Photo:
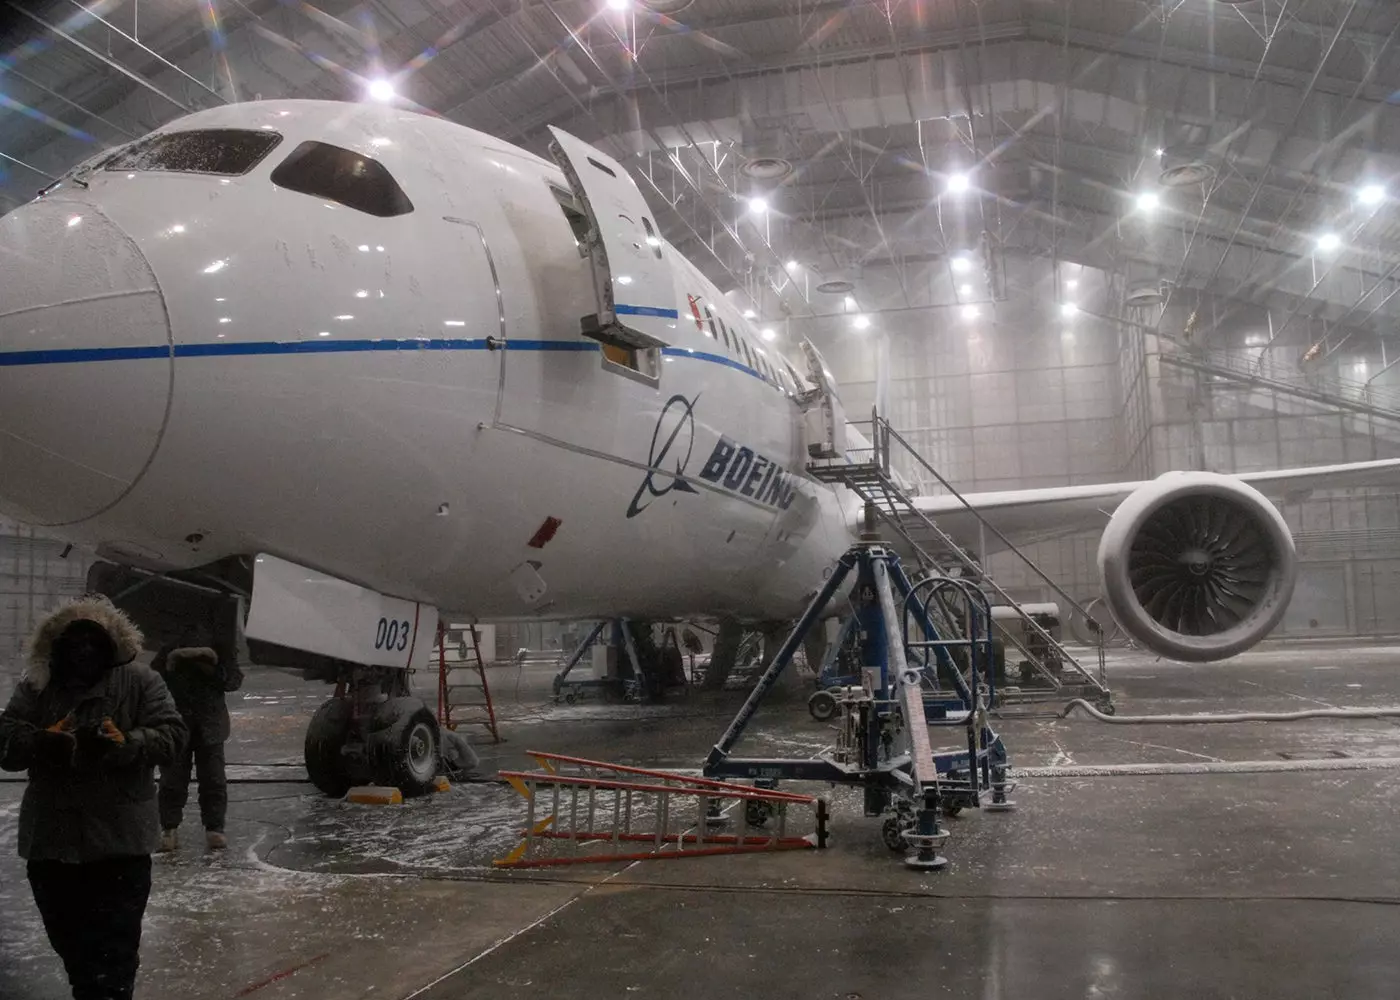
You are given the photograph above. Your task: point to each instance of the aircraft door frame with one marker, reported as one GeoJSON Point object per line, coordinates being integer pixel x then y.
{"type": "Point", "coordinates": [625, 250]}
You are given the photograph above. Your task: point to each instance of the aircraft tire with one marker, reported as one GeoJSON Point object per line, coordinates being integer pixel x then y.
{"type": "Point", "coordinates": [409, 753]}
{"type": "Point", "coordinates": [325, 735]}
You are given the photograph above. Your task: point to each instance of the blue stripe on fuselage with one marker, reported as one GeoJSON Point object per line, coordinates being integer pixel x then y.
{"type": "Point", "coordinates": [88, 355]}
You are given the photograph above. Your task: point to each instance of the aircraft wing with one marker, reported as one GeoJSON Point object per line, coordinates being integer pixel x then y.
{"type": "Point", "coordinates": [1027, 516]}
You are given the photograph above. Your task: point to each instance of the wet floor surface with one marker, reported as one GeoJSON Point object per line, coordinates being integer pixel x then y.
{"type": "Point", "coordinates": [1250, 860]}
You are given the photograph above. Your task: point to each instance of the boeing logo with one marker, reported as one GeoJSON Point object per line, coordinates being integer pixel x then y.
{"type": "Point", "coordinates": [731, 466]}
{"type": "Point", "coordinates": [675, 435]}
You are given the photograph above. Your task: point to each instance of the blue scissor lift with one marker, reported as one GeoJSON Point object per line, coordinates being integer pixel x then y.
{"type": "Point", "coordinates": [887, 711]}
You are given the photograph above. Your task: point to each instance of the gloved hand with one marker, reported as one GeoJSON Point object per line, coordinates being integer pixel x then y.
{"type": "Point", "coordinates": [54, 747]}
{"type": "Point", "coordinates": [100, 744]}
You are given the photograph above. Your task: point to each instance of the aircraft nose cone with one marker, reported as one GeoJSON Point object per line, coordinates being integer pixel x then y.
{"type": "Point", "coordinates": [86, 367]}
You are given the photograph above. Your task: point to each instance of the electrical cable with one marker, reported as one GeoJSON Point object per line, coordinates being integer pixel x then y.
{"type": "Point", "coordinates": [1189, 720]}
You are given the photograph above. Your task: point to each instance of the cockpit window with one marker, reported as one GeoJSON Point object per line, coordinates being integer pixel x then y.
{"type": "Point", "coordinates": [343, 176]}
{"type": "Point", "coordinates": [225, 151]}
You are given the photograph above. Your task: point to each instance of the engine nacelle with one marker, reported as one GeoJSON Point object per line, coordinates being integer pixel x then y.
{"type": "Point", "coordinates": [1197, 566]}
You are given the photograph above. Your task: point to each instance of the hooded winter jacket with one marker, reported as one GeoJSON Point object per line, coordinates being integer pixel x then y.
{"type": "Point", "coordinates": [90, 810]}
{"type": "Point", "coordinates": [198, 680]}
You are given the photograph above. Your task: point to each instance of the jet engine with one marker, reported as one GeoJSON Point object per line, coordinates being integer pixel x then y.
{"type": "Point", "coordinates": [1197, 566]}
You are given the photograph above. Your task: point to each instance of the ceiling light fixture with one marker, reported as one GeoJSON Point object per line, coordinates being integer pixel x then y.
{"type": "Point", "coordinates": [964, 289]}
{"type": "Point", "coordinates": [1148, 201]}
{"type": "Point", "coordinates": [861, 322]}
{"type": "Point", "coordinates": [1328, 242]}
{"type": "Point", "coordinates": [769, 333]}
{"type": "Point", "coordinates": [970, 312]}
{"type": "Point", "coordinates": [750, 314]}
{"type": "Point", "coordinates": [381, 89]}
{"type": "Point", "coordinates": [961, 264]}
{"type": "Point", "coordinates": [1068, 310]}
{"type": "Point", "coordinates": [619, 4]}
{"type": "Point", "coordinates": [758, 205]}
{"type": "Point", "coordinates": [791, 266]}
{"type": "Point", "coordinates": [1072, 284]}
{"type": "Point", "coordinates": [1371, 194]}
{"type": "Point", "coordinates": [958, 183]}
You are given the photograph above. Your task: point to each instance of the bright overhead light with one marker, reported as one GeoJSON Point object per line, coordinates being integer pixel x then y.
{"type": "Point", "coordinates": [225, 319]}
{"type": "Point", "coordinates": [216, 267]}
{"type": "Point", "coordinates": [363, 248]}
{"type": "Point", "coordinates": [177, 228]}
{"type": "Point", "coordinates": [362, 294]}
{"type": "Point", "coordinates": [758, 205]}
{"type": "Point", "coordinates": [1328, 242]}
{"type": "Point", "coordinates": [1068, 310]}
{"type": "Point", "coordinates": [1072, 284]}
{"type": "Point", "coordinates": [791, 265]}
{"type": "Point", "coordinates": [970, 312]}
{"type": "Point", "coordinates": [961, 264]}
{"type": "Point", "coordinates": [958, 183]}
{"type": "Point", "coordinates": [1371, 194]}
{"type": "Point", "coordinates": [769, 333]}
{"type": "Point", "coordinates": [454, 322]}
{"type": "Point", "coordinates": [964, 289]}
{"type": "Point", "coordinates": [1158, 152]}
{"type": "Point", "coordinates": [861, 322]}
{"type": "Point", "coordinates": [380, 90]}
{"type": "Point", "coordinates": [1148, 201]}
{"type": "Point", "coordinates": [849, 301]}
{"type": "Point", "coordinates": [344, 316]}
{"type": "Point", "coordinates": [619, 4]}
{"type": "Point", "coordinates": [750, 314]}
{"type": "Point", "coordinates": [324, 333]}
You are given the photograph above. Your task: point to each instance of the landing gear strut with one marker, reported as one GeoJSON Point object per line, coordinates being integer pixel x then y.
{"type": "Point", "coordinates": [373, 731]}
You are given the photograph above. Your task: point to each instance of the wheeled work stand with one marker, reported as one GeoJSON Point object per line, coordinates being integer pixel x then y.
{"type": "Point", "coordinates": [884, 722]}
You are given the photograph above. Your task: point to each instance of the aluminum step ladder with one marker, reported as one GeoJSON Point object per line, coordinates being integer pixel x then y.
{"type": "Point", "coordinates": [464, 695]}
{"type": "Point", "coordinates": [887, 501]}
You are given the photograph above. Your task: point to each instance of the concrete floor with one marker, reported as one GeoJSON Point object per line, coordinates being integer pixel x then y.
{"type": "Point", "coordinates": [1268, 872]}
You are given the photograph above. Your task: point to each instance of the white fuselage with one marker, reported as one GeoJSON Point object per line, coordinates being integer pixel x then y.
{"type": "Point", "coordinates": [195, 366]}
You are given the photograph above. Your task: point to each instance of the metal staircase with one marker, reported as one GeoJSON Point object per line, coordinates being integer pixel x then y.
{"type": "Point", "coordinates": [867, 473]}
{"type": "Point", "coordinates": [464, 696]}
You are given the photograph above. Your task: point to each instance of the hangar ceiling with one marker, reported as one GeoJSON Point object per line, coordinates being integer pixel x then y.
{"type": "Point", "coordinates": [1255, 127]}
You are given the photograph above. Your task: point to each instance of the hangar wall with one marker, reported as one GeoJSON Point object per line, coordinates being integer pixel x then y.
{"type": "Point", "coordinates": [1019, 398]}
{"type": "Point", "coordinates": [34, 576]}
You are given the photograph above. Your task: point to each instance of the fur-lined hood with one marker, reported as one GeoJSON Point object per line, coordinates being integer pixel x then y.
{"type": "Point", "coordinates": [93, 607]}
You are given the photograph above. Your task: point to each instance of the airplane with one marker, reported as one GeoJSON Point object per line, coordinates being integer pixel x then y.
{"type": "Point", "coordinates": [317, 374]}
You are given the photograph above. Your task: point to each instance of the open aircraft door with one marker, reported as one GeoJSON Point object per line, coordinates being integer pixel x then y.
{"type": "Point", "coordinates": [825, 418]}
{"type": "Point", "coordinates": [631, 277]}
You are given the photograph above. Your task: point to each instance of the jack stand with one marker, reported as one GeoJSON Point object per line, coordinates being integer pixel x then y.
{"type": "Point", "coordinates": [927, 836]}
{"type": "Point", "coordinates": [885, 717]}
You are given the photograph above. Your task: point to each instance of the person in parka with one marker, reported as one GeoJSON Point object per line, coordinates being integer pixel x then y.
{"type": "Point", "coordinates": [90, 725]}
{"type": "Point", "coordinates": [199, 679]}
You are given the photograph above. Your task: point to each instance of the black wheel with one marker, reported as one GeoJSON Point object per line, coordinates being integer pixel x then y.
{"type": "Point", "coordinates": [409, 754]}
{"type": "Point", "coordinates": [892, 833]}
{"type": "Point", "coordinates": [570, 698]}
{"type": "Point", "coordinates": [325, 735]}
{"type": "Point", "coordinates": [756, 813]}
{"type": "Point", "coordinates": [822, 705]}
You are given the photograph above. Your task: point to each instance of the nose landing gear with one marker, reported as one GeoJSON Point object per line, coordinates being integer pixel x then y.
{"type": "Point", "coordinates": [373, 731]}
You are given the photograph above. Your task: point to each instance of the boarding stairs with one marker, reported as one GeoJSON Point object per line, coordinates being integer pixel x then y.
{"type": "Point", "coordinates": [867, 473]}
{"type": "Point", "coordinates": [464, 695]}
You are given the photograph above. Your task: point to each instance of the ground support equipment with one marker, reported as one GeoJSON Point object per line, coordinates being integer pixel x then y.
{"type": "Point", "coordinates": [883, 743]}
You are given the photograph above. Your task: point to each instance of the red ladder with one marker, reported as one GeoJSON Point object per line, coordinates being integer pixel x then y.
{"type": "Point", "coordinates": [464, 696]}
